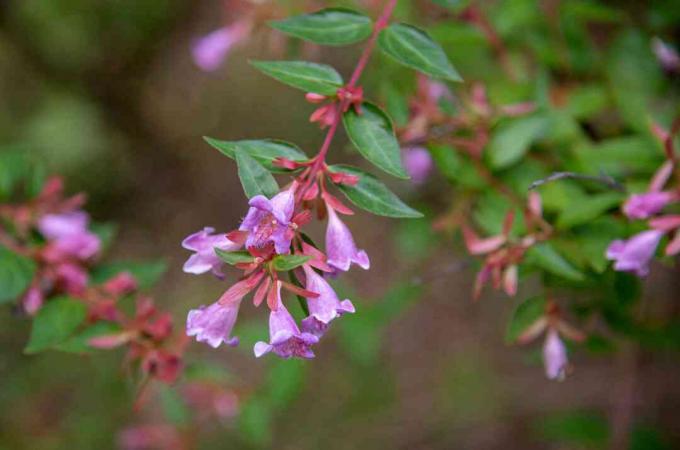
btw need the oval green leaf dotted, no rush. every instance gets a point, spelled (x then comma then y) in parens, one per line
(265, 151)
(310, 77)
(373, 196)
(372, 134)
(511, 141)
(547, 258)
(55, 322)
(16, 273)
(232, 258)
(414, 48)
(331, 26)
(525, 315)
(283, 263)
(255, 179)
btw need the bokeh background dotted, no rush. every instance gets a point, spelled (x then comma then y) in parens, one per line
(106, 93)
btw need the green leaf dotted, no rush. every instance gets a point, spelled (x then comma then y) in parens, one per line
(55, 322)
(511, 141)
(372, 134)
(16, 273)
(265, 151)
(174, 409)
(310, 77)
(331, 26)
(546, 257)
(255, 179)
(372, 195)
(588, 208)
(80, 343)
(524, 315)
(232, 258)
(147, 273)
(414, 48)
(456, 5)
(283, 263)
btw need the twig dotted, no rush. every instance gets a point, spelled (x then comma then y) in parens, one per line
(602, 179)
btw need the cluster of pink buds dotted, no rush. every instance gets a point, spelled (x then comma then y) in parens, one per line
(329, 113)
(64, 257)
(634, 254)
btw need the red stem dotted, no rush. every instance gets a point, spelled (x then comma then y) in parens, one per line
(380, 24)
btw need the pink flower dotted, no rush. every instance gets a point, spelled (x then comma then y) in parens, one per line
(68, 234)
(203, 243)
(643, 206)
(72, 278)
(285, 338)
(554, 356)
(340, 246)
(213, 324)
(666, 55)
(418, 163)
(634, 254)
(324, 308)
(32, 300)
(269, 220)
(210, 51)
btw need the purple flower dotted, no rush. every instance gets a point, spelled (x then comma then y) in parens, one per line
(324, 308)
(340, 247)
(203, 243)
(634, 254)
(643, 206)
(286, 339)
(210, 51)
(69, 234)
(268, 221)
(72, 278)
(213, 324)
(666, 55)
(32, 300)
(554, 356)
(418, 163)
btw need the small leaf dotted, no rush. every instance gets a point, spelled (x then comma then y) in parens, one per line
(232, 258)
(283, 263)
(146, 273)
(256, 180)
(546, 257)
(372, 134)
(372, 195)
(512, 140)
(414, 48)
(584, 210)
(526, 313)
(16, 273)
(55, 322)
(310, 77)
(331, 26)
(265, 151)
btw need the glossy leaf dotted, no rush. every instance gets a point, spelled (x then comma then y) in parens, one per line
(283, 263)
(232, 258)
(55, 322)
(310, 77)
(331, 26)
(414, 48)
(255, 179)
(587, 208)
(373, 196)
(16, 273)
(547, 258)
(511, 141)
(524, 315)
(372, 134)
(265, 151)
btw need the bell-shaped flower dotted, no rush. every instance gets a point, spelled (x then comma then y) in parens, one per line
(340, 247)
(268, 221)
(210, 51)
(418, 163)
(285, 338)
(324, 308)
(203, 244)
(634, 254)
(213, 324)
(554, 356)
(643, 206)
(68, 235)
